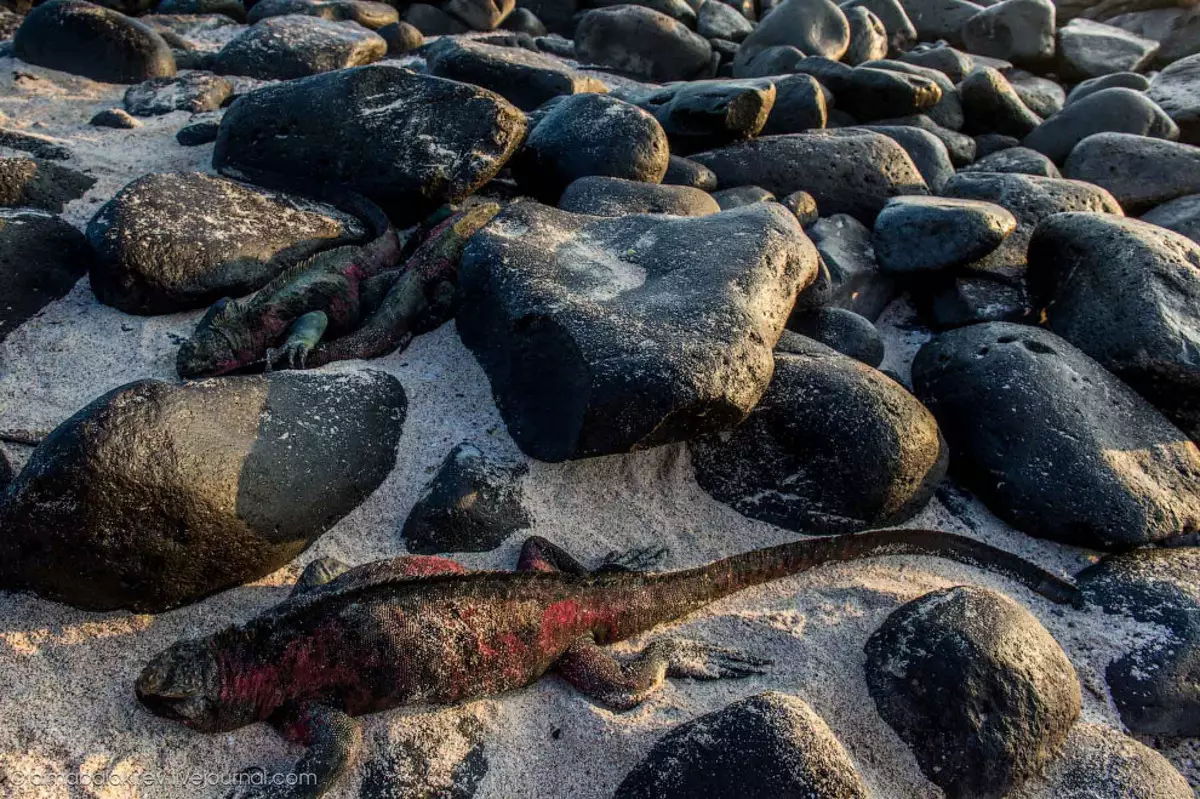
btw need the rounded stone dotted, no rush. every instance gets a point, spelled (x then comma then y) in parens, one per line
(842, 330)
(604, 196)
(642, 41)
(1114, 110)
(924, 234)
(296, 46)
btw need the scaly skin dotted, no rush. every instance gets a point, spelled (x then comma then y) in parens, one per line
(423, 630)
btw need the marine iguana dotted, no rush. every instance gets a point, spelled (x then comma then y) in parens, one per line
(354, 293)
(421, 629)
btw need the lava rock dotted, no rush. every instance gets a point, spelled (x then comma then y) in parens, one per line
(432, 21)
(716, 20)
(41, 259)
(602, 336)
(803, 205)
(114, 118)
(991, 105)
(1088, 49)
(480, 15)
(198, 133)
(955, 299)
(522, 20)
(841, 330)
(941, 20)
(947, 112)
(961, 147)
(1177, 91)
(686, 172)
(976, 687)
(524, 78)
(401, 38)
(176, 241)
(643, 42)
(369, 14)
(926, 150)
(767, 746)
(592, 134)
(868, 36)
(852, 278)
(1019, 403)
(1020, 31)
(853, 171)
(1127, 80)
(800, 105)
(954, 63)
(1139, 171)
(409, 142)
(1097, 762)
(869, 94)
(834, 446)
(902, 35)
(1015, 160)
(295, 46)
(920, 234)
(1107, 111)
(1128, 294)
(701, 115)
(90, 40)
(472, 505)
(1042, 96)
(814, 27)
(1181, 216)
(249, 483)
(603, 196)
(1154, 684)
(740, 196)
(195, 92)
(33, 183)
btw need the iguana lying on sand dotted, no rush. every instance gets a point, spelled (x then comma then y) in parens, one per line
(347, 302)
(424, 630)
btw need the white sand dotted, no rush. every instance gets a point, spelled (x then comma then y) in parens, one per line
(66, 704)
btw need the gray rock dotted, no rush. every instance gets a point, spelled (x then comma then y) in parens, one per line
(471, 505)
(249, 484)
(1114, 110)
(1127, 80)
(195, 92)
(1098, 762)
(401, 38)
(41, 259)
(920, 234)
(1154, 684)
(409, 142)
(432, 21)
(522, 20)
(524, 78)
(902, 34)
(176, 241)
(976, 687)
(642, 42)
(604, 196)
(800, 105)
(740, 196)
(833, 446)
(680, 10)
(870, 94)
(803, 205)
(32, 183)
(1018, 160)
(868, 37)
(716, 20)
(1020, 31)
(1128, 294)
(1042, 96)
(90, 40)
(1018, 404)
(700, 115)
(991, 105)
(851, 278)
(647, 329)
(960, 146)
(686, 172)
(1177, 91)
(114, 118)
(814, 27)
(198, 133)
(369, 14)
(955, 64)
(845, 331)
(1088, 49)
(776, 60)
(767, 746)
(947, 112)
(1181, 215)
(940, 19)
(926, 150)
(296, 46)
(1139, 171)
(479, 15)
(988, 143)
(591, 134)
(852, 172)
(952, 300)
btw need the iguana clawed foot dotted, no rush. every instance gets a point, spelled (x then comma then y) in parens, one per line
(700, 661)
(643, 559)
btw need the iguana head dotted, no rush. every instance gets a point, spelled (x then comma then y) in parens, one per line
(183, 683)
(210, 350)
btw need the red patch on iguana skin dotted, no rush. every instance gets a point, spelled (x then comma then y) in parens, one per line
(428, 566)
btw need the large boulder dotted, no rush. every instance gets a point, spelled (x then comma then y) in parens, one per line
(296, 46)
(1138, 171)
(1053, 443)
(605, 335)
(1177, 91)
(976, 687)
(848, 172)
(1128, 294)
(767, 746)
(834, 446)
(814, 27)
(1116, 110)
(1089, 49)
(91, 40)
(410, 142)
(156, 495)
(194, 92)
(181, 240)
(41, 259)
(921, 234)
(642, 41)
(1020, 31)
(45, 185)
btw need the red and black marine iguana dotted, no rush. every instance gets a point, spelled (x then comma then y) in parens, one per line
(424, 630)
(347, 302)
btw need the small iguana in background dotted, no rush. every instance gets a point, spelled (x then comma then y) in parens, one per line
(346, 302)
(424, 630)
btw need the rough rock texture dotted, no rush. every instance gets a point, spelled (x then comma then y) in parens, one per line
(296, 46)
(409, 142)
(1020, 31)
(1177, 91)
(32, 183)
(814, 27)
(800, 105)
(868, 36)
(647, 329)
(251, 482)
(1098, 762)
(401, 38)
(851, 278)
(941, 19)
(1128, 80)
(1088, 49)
(1154, 684)
(1114, 110)
(767, 746)
(1018, 160)
(194, 92)
(686, 172)
(834, 446)
(603, 196)
(117, 118)
(471, 505)
(41, 259)
(1128, 294)
(991, 105)
(926, 150)
(976, 686)
(1019, 404)
(853, 172)
(842, 330)
(176, 241)
(704, 114)
(97, 42)
(1182, 216)
(918, 234)
(642, 41)
(1140, 172)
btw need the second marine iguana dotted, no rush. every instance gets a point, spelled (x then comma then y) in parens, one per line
(424, 630)
(347, 302)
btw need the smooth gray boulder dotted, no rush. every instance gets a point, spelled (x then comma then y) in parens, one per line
(1089, 49)
(1177, 91)
(1020, 31)
(1141, 172)
(296, 46)
(643, 42)
(1114, 110)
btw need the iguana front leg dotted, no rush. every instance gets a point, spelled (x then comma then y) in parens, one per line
(333, 742)
(304, 335)
(541, 555)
